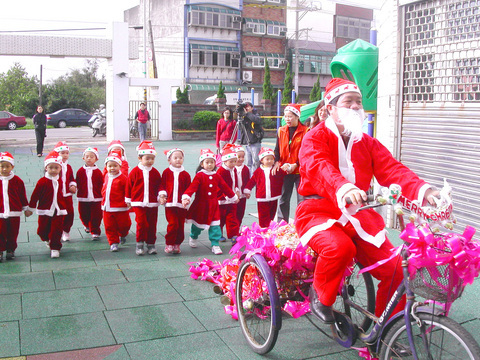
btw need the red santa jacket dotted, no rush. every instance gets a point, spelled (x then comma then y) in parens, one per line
(224, 130)
(143, 186)
(174, 183)
(289, 148)
(13, 198)
(269, 187)
(243, 175)
(89, 184)
(329, 170)
(113, 193)
(231, 179)
(67, 178)
(204, 211)
(48, 195)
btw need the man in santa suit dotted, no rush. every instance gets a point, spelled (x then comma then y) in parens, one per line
(337, 162)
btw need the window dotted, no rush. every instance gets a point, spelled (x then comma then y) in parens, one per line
(213, 19)
(353, 28)
(3, 115)
(258, 62)
(273, 30)
(212, 58)
(313, 64)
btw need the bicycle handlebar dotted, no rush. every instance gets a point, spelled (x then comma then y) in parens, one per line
(370, 198)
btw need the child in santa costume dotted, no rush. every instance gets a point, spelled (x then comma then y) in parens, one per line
(269, 187)
(175, 180)
(119, 148)
(51, 209)
(89, 186)
(337, 162)
(204, 214)
(116, 217)
(243, 175)
(13, 200)
(228, 210)
(69, 187)
(142, 195)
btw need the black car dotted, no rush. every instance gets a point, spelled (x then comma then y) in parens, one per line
(68, 117)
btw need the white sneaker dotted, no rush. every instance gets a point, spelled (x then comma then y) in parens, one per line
(65, 236)
(217, 250)
(151, 249)
(193, 242)
(95, 237)
(47, 244)
(139, 249)
(114, 247)
(55, 254)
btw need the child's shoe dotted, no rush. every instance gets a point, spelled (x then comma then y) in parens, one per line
(55, 254)
(223, 239)
(87, 230)
(139, 249)
(10, 255)
(169, 249)
(151, 249)
(1, 256)
(217, 250)
(192, 242)
(65, 236)
(176, 249)
(47, 244)
(114, 247)
(123, 240)
(234, 240)
(95, 237)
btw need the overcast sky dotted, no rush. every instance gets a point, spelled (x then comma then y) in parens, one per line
(27, 15)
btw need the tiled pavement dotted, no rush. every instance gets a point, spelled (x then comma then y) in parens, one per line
(94, 304)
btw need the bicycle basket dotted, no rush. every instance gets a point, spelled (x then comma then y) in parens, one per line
(439, 283)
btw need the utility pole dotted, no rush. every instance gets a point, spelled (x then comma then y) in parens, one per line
(145, 46)
(40, 89)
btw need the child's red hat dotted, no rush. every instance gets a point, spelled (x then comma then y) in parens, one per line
(169, 153)
(61, 146)
(206, 154)
(114, 155)
(265, 152)
(228, 152)
(6, 156)
(146, 148)
(337, 87)
(115, 143)
(91, 149)
(52, 157)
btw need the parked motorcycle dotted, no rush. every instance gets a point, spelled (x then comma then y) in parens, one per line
(98, 123)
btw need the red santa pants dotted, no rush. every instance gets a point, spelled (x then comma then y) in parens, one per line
(241, 210)
(228, 218)
(91, 215)
(266, 212)
(336, 247)
(68, 221)
(146, 219)
(176, 225)
(9, 229)
(50, 230)
(117, 224)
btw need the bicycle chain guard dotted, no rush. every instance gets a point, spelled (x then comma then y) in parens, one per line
(343, 330)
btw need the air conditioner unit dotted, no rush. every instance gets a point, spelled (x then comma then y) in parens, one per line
(283, 29)
(237, 18)
(247, 76)
(235, 56)
(250, 25)
(283, 62)
(248, 30)
(283, 33)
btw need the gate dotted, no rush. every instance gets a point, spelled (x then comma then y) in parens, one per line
(152, 130)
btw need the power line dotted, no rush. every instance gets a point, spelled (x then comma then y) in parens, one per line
(49, 30)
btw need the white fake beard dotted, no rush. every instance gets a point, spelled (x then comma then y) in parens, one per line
(352, 121)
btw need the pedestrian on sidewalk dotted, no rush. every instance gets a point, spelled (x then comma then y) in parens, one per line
(40, 123)
(142, 194)
(51, 208)
(175, 180)
(225, 128)
(89, 184)
(143, 117)
(13, 200)
(116, 216)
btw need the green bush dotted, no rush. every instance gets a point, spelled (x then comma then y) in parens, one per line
(205, 120)
(269, 123)
(183, 125)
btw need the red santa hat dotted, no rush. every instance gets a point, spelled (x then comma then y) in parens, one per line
(53, 157)
(206, 154)
(294, 108)
(61, 146)
(337, 87)
(114, 155)
(146, 148)
(228, 152)
(239, 148)
(265, 152)
(169, 153)
(6, 156)
(115, 144)
(91, 149)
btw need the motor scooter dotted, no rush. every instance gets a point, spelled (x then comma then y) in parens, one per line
(98, 123)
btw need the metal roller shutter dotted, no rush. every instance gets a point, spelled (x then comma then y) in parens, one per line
(440, 128)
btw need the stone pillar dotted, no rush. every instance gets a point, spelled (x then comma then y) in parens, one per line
(220, 103)
(267, 106)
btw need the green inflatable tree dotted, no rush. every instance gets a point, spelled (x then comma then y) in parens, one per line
(268, 93)
(221, 91)
(287, 86)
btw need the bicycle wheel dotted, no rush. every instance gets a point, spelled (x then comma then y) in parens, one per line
(446, 339)
(258, 304)
(360, 291)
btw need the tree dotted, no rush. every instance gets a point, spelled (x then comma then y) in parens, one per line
(268, 93)
(221, 91)
(18, 91)
(182, 96)
(287, 86)
(316, 93)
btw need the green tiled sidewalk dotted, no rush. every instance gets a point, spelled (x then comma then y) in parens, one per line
(94, 304)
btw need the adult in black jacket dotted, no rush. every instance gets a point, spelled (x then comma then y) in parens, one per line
(40, 122)
(251, 136)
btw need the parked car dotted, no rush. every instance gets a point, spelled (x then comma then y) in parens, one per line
(68, 117)
(10, 121)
